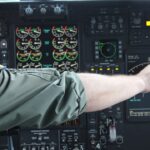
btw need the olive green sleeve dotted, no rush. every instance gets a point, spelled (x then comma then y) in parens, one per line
(39, 97)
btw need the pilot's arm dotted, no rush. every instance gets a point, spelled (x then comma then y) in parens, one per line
(42, 97)
(39, 97)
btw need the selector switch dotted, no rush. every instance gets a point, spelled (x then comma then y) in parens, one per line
(57, 9)
(43, 9)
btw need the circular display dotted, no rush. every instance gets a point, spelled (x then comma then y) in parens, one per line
(35, 32)
(58, 43)
(136, 69)
(60, 66)
(59, 55)
(22, 44)
(58, 31)
(35, 44)
(71, 54)
(23, 56)
(35, 65)
(108, 50)
(21, 65)
(71, 43)
(71, 31)
(72, 66)
(22, 32)
(36, 56)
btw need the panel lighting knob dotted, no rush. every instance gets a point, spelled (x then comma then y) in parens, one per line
(58, 9)
(43, 10)
(29, 10)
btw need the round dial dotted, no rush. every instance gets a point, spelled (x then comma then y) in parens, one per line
(136, 69)
(71, 31)
(36, 56)
(59, 55)
(35, 65)
(71, 43)
(22, 44)
(35, 44)
(60, 66)
(58, 31)
(107, 50)
(72, 66)
(58, 43)
(22, 32)
(71, 54)
(35, 32)
(23, 56)
(21, 65)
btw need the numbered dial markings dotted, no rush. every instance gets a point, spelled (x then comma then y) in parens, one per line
(22, 32)
(22, 44)
(58, 31)
(35, 32)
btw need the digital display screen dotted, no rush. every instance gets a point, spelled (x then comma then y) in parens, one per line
(108, 50)
(138, 107)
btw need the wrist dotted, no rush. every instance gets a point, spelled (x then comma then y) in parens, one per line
(141, 83)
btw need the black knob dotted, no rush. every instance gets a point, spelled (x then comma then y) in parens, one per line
(119, 140)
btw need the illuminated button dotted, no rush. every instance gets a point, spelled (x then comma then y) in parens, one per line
(117, 69)
(46, 30)
(46, 42)
(147, 23)
(100, 69)
(108, 69)
(3, 44)
(92, 69)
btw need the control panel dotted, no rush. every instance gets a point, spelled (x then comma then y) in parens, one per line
(49, 46)
(102, 37)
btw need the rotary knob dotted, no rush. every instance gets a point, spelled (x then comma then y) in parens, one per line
(43, 10)
(137, 20)
(29, 10)
(58, 9)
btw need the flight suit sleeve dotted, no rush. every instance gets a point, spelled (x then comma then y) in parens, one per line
(39, 97)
